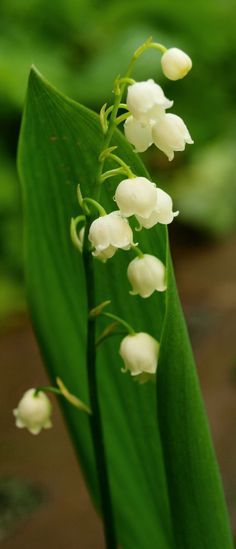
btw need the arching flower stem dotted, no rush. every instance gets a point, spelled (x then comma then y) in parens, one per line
(137, 251)
(148, 45)
(127, 326)
(123, 164)
(122, 118)
(112, 173)
(73, 230)
(95, 204)
(47, 388)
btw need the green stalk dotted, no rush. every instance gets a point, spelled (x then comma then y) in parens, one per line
(95, 417)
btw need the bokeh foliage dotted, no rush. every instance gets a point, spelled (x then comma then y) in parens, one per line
(80, 46)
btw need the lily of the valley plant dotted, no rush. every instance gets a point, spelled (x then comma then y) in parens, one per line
(106, 233)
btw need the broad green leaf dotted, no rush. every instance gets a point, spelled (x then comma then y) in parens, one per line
(165, 482)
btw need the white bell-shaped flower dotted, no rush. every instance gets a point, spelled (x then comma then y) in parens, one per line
(104, 255)
(140, 353)
(33, 412)
(146, 274)
(139, 135)
(175, 64)
(108, 233)
(162, 211)
(171, 134)
(136, 196)
(146, 101)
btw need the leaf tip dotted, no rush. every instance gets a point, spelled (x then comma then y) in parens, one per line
(35, 74)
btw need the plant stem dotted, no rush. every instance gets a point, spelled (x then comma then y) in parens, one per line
(47, 388)
(127, 326)
(111, 129)
(95, 418)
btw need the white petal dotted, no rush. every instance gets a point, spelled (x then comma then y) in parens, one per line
(162, 212)
(19, 423)
(171, 134)
(105, 254)
(135, 196)
(149, 222)
(147, 274)
(138, 134)
(99, 233)
(164, 207)
(35, 430)
(33, 411)
(121, 235)
(146, 101)
(140, 353)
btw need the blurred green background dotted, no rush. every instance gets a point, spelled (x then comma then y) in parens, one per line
(80, 46)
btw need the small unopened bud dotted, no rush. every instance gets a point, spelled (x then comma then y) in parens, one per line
(33, 412)
(147, 274)
(175, 64)
(140, 353)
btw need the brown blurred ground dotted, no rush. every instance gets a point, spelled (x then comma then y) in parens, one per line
(206, 280)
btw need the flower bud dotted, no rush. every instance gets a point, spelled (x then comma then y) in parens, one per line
(175, 64)
(146, 101)
(170, 134)
(146, 274)
(138, 134)
(136, 196)
(162, 211)
(109, 232)
(139, 353)
(33, 412)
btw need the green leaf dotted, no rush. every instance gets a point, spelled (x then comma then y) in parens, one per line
(195, 490)
(165, 484)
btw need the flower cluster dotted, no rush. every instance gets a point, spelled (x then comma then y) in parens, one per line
(148, 122)
(136, 197)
